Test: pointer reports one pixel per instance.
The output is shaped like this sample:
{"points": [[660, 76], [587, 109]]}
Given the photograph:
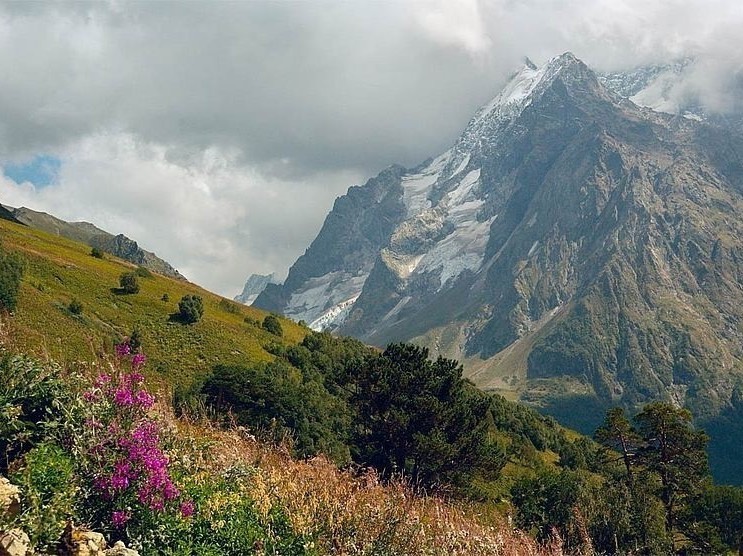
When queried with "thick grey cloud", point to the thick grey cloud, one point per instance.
{"points": [[218, 133]]}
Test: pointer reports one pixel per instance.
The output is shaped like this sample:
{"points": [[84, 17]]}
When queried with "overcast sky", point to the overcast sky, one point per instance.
{"points": [[218, 134]]}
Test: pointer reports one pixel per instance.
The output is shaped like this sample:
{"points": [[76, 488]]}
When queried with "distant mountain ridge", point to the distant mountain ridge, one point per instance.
{"points": [[254, 286], [85, 232], [572, 247]]}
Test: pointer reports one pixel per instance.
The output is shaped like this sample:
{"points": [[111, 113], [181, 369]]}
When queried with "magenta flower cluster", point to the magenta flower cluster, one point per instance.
{"points": [[130, 470]]}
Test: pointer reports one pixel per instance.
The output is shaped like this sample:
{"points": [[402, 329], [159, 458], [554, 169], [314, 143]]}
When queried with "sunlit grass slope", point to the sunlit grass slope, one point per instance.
{"points": [[58, 270]]}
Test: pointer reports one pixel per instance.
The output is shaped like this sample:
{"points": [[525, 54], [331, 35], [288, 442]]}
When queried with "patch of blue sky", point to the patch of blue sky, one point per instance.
{"points": [[41, 171]]}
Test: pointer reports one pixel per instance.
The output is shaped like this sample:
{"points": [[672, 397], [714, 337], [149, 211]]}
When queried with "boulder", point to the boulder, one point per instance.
{"points": [[80, 542], [10, 498], [120, 549], [14, 543]]}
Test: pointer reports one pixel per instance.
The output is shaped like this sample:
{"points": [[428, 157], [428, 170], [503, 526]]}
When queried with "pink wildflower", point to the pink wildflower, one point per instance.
{"points": [[188, 508], [90, 396], [123, 396], [144, 399], [138, 360], [119, 518], [123, 349]]}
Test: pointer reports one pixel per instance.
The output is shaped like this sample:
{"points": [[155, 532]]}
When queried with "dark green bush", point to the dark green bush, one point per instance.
{"points": [[135, 340], [271, 324], [191, 308], [97, 253], [278, 399], [143, 272], [129, 283], [75, 307]]}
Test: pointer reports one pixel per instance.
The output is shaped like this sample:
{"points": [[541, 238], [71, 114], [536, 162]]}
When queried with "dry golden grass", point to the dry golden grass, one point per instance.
{"points": [[351, 513]]}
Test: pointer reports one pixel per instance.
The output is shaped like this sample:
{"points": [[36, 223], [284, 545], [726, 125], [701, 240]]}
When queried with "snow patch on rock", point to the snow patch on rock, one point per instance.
{"points": [[417, 187], [322, 295], [335, 316]]}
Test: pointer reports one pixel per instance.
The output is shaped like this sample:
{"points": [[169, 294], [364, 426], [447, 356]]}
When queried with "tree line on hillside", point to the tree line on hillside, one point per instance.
{"points": [[641, 486]]}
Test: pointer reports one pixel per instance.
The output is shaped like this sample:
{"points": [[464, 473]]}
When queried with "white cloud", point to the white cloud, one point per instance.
{"points": [[212, 218], [218, 133], [455, 22]]}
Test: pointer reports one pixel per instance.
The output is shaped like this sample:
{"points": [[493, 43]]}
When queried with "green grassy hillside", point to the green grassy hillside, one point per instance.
{"points": [[58, 270]]}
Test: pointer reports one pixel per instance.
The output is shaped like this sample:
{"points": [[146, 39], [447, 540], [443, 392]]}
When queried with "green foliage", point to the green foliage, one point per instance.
{"points": [[232, 525], [129, 283], [421, 419], [229, 307], [624, 519], [617, 434], [143, 272], [272, 325], [97, 253], [75, 307], [398, 412], [659, 461], [33, 399], [715, 519], [279, 399], [135, 340], [675, 451], [191, 308], [11, 273], [46, 479], [546, 502]]}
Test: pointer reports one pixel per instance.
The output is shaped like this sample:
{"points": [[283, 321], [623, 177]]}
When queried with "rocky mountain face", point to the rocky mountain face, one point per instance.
{"points": [[571, 247], [85, 232], [254, 286]]}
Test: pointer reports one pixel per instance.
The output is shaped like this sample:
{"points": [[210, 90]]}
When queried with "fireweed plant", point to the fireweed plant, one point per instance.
{"points": [[128, 484]]}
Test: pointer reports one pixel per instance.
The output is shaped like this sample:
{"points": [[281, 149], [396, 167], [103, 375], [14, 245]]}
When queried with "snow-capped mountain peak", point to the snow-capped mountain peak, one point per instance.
{"points": [[527, 83]]}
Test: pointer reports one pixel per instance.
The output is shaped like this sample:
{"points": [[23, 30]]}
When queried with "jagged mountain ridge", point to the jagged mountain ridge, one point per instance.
{"points": [[254, 286], [569, 243], [85, 232]]}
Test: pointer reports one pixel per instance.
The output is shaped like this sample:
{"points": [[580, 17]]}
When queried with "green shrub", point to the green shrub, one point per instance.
{"points": [[143, 272], [75, 307], [97, 253], [165, 298], [229, 307], [11, 272], [191, 308], [279, 400], [33, 404], [135, 340], [46, 481], [271, 324], [129, 283]]}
